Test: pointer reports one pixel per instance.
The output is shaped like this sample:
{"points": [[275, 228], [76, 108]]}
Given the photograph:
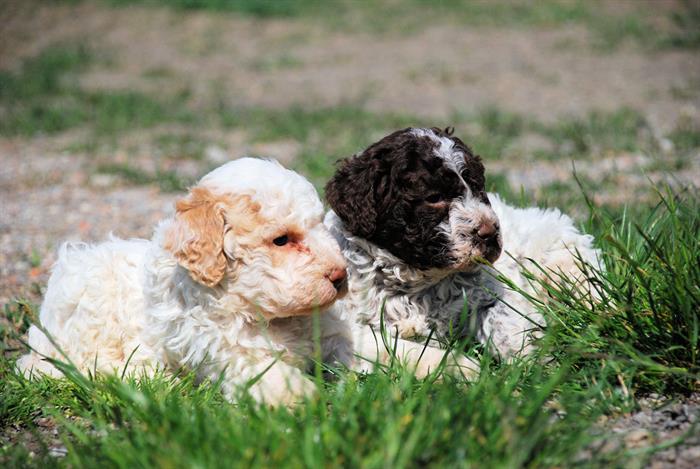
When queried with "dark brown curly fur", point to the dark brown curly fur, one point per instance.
{"points": [[397, 192]]}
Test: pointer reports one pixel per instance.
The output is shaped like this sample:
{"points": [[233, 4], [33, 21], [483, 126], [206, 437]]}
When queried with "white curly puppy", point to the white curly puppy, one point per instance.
{"points": [[228, 285], [416, 225]]}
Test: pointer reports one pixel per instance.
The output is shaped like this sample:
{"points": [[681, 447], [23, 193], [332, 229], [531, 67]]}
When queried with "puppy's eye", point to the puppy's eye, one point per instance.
{"points": [[433, 198], [281, 240]]}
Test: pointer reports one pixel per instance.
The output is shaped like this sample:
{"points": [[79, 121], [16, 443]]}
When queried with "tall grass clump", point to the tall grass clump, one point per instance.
{"points": [[646, 324]]}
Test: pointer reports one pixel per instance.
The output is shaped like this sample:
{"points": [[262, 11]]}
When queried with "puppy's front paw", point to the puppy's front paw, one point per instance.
{"points": [[461, 365], [455, 364], [283, 385], [34, 365]]}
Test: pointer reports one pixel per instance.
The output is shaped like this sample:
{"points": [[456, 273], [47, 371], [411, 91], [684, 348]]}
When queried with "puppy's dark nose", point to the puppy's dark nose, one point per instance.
{"points": [[487, 231], [338, 277]]}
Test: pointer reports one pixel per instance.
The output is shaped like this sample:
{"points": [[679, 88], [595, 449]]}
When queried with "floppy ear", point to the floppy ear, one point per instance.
{"points": [[197, 237], [351, 193]]}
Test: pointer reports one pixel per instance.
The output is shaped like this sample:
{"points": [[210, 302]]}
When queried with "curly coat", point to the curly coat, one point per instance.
{"points": [[422, 239]]}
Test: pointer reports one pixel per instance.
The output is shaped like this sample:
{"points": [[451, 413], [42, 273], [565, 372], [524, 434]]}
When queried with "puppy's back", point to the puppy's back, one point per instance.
{"points": [[93, 307]]}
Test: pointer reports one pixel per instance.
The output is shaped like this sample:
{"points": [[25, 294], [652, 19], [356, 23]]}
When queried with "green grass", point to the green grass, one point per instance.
{"points": [[261, 9], [608, 29], [326, 134], [686, 20], [181, 145], [43, 96], [492, 13], [686, 136], [166, 180], [512, 416], [542, 411], [277, 62], [45, 74], [499, 421], [598, 132], [650, 317], [495, 131], [497, 13]]}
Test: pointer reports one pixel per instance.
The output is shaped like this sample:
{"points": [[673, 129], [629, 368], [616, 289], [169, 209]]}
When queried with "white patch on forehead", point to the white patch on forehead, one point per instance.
{"points": [[454, 159]]}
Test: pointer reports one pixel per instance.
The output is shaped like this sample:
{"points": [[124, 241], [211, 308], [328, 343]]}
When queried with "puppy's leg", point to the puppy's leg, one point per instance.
{"points": [[509, 326], [370, 351], [336, 339], [33, 363], [574, 263], [271, 382], [552, 241]]}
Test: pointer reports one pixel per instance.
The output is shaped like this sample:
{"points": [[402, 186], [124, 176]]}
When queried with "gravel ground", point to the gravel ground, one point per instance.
{"points": [[49, 198], [660, 422]]}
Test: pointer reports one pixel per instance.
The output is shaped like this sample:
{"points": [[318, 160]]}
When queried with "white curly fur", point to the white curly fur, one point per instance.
{"points": [[209, 292]]}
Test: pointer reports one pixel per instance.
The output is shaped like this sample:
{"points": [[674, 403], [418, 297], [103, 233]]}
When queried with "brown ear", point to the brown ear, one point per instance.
{"points": [[353, 193], [197, 237]]}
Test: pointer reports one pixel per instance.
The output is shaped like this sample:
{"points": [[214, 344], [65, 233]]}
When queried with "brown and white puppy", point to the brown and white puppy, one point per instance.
{"points": [[226, 286], [420, 234]]}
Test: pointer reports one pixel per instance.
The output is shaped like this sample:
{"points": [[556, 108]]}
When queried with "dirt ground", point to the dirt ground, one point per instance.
{"points": [[433, 71], [48, 194]]}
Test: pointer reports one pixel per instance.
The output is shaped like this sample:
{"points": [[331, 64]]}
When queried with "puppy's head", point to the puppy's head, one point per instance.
{"points": [[419, 193], [253, 228]]}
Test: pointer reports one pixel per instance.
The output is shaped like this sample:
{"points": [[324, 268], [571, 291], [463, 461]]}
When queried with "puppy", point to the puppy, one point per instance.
{"points": [[424, 244], [225, 287]]}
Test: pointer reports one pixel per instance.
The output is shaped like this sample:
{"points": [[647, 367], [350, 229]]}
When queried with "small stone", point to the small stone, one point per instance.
{"points": [[45, 422], [103, 180], [666, 146], [671, 424], [58, 451], [638, 438], [691, 454], [642, 418], [667, 455], [611, 445]]}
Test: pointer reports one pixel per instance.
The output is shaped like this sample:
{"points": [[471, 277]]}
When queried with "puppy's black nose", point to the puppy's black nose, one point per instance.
{"points": [[338, 278], [487, 231]]}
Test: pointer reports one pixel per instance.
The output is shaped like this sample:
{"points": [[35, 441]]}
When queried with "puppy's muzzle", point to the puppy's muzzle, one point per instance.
{"points": [[338, 277], [487, 232], [487, 235]]}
